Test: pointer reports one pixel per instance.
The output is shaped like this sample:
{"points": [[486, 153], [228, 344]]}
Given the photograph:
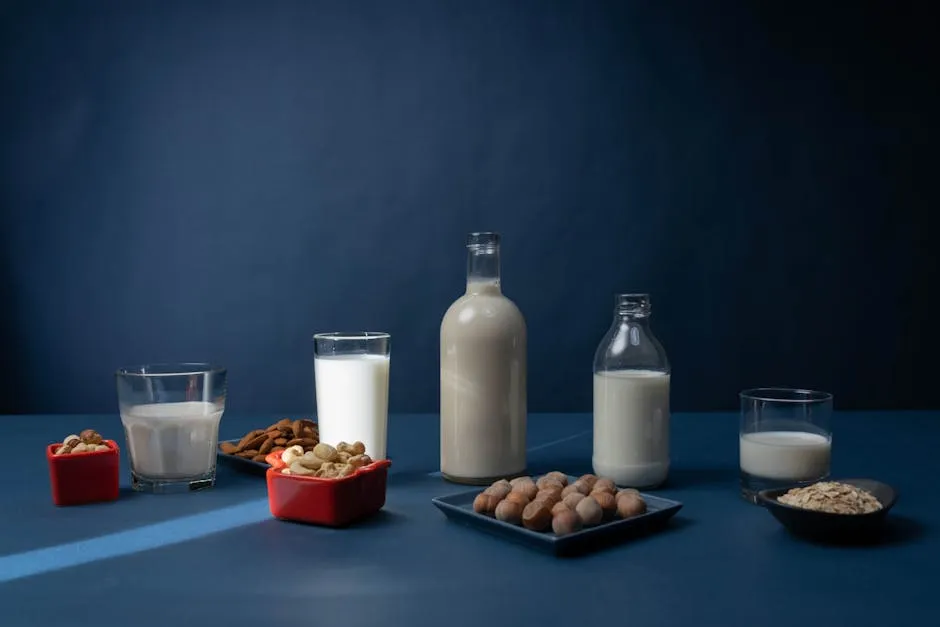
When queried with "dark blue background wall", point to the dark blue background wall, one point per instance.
{"points": [[218, 180]]}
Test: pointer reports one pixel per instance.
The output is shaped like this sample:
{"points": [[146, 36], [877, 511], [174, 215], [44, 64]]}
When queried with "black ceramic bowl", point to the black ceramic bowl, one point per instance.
{"points": [[833, 527]]}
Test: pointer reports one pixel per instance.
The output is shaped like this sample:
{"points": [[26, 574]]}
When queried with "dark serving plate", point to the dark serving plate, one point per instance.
{"points": [[240, 463], [459, 509], [833, 527]]}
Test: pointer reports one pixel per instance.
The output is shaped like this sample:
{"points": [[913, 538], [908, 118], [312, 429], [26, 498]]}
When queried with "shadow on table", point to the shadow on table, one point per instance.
{"points": [[589, 548], [898, 530], [384, 518], [226, 480]]}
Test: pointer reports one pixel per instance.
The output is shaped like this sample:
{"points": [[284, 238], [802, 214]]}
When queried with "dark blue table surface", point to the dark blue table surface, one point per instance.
{"points": [[217, 557]]}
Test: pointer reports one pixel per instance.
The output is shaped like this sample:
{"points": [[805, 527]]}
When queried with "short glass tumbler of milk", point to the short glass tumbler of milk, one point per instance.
{"points": [[351, 376], [171, 415], [785, 438], [631, 399]]}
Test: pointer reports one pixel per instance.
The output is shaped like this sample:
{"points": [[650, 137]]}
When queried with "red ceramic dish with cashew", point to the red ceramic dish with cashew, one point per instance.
{"points": [[332, 502]]}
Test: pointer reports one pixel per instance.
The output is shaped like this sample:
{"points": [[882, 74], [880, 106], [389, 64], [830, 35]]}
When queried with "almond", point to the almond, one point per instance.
{"points": [[304, 442], [280, 441], [248, 438], [255, 442], [228, 448], [258, 458], [266, 446], [297, 427], [248, 454]]}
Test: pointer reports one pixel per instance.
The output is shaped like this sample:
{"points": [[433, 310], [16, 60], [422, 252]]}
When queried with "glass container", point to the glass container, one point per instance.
{"points": [[631, 399]]}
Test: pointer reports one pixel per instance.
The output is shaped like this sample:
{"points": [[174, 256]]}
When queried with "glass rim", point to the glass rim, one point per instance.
{"points": [[352, 335], [785, 395], [170, 369]]}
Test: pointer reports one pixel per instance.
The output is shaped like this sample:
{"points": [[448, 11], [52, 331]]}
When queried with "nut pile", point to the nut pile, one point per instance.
{"points": [[324, 461], [257, 444], [551, 503], [88, 441], [833, 498]]}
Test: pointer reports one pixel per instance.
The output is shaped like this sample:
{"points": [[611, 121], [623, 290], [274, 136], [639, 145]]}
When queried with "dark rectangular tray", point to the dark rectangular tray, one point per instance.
{"points": [[459, 509], [240, 463]]}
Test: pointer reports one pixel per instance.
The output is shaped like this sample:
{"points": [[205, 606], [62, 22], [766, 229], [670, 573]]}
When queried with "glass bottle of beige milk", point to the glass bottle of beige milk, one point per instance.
{"points": [[483, 375], [631, 399]]}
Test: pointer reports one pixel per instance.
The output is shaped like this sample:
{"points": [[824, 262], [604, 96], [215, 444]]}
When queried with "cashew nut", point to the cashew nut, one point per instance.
{"points": [[297, 468], [309, 460], [292, 453], [325, 452]]}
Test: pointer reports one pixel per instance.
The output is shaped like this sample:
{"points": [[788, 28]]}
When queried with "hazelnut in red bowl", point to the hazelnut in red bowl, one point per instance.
{"points": [[330, 486], [84, 469]]}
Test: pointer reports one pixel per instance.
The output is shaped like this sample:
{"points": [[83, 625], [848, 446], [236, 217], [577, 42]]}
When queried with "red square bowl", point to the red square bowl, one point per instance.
{"points": [[329, 502], [81, 478]]}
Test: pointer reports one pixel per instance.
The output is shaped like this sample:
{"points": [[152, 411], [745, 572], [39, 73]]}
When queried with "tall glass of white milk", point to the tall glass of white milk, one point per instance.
{"points": [[351, 378], [171, 415], [631, 399], [785, 438]]}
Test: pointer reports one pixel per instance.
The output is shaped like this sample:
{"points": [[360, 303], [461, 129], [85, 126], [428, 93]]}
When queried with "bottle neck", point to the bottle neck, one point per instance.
{"points": [[632, 308], [482, 270], [483, 263]]}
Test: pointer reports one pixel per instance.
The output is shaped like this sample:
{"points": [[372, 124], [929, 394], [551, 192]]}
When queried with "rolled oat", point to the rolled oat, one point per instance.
{"points": [[833, 498]]}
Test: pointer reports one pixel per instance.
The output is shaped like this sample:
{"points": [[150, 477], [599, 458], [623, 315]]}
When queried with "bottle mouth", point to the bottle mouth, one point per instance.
{"points": [[484, 241], [638, 304]]}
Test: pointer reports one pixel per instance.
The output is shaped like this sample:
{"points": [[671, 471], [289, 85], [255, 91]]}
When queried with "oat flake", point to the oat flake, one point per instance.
{"points": [[833, 498]]}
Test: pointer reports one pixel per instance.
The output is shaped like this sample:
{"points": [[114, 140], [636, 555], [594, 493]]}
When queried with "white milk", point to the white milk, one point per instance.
{"points": [[172, 440], [785, 455], [352, 400], [631, 427]]}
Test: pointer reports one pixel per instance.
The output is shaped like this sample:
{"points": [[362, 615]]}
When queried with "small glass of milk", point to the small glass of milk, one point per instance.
{"points": [[171, 415], [785, 438], [351, 380]]}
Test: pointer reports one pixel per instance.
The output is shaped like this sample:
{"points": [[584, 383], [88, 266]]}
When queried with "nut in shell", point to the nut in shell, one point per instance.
{"points": [[549, 495], [606, 500], [528, 489], [517, 497], [90, 436], [604, 485], [500, 489], [565, 522], [572, 499], [589, 480], [537, 516], [560, 506], [485, 504], [547, 481], [509, 512], [558, 476], [590, 511], [582, 487], [630, 505]]}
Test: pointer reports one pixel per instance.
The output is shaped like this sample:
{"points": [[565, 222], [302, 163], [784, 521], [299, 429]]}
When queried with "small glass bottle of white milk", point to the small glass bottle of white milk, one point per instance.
{"points": [[631, 399]]}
